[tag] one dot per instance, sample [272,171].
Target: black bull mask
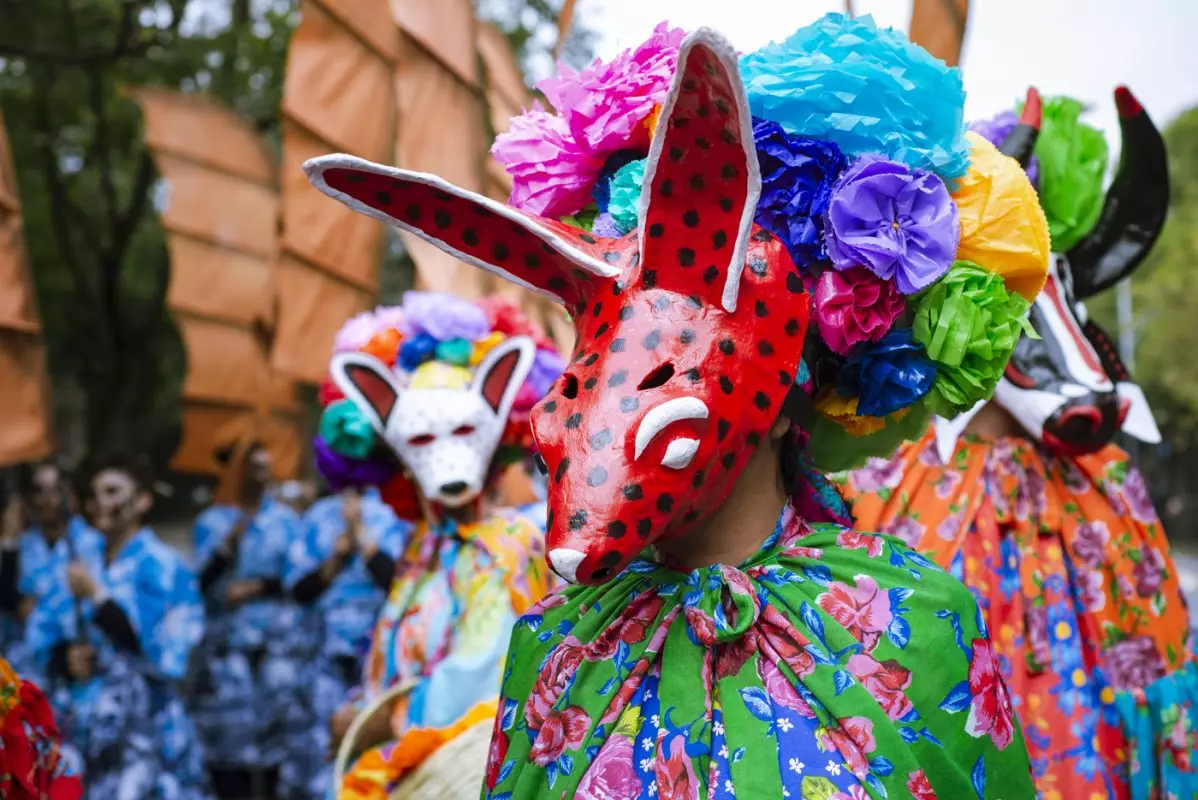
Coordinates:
[1069,389]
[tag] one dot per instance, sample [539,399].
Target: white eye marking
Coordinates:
[679,453]
[660,416]
[565,563]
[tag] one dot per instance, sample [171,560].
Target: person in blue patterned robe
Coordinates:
[342,568]
[256,646]
[114,641]
[38,536]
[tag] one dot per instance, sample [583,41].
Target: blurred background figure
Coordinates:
[256,645]
[341,570]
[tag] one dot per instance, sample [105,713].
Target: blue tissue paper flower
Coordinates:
[887,375]
[601,193]
[866,89]
[416,350]
[797,175]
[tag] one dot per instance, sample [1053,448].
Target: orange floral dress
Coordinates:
[1072,570]
[31,765]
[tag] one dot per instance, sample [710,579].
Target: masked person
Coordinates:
[729,636]
[39,534]
[31,762]
[445,385]
[1027,500]
[252,658]
[341,569]
[115,641]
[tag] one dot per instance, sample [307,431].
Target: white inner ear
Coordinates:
[665,414]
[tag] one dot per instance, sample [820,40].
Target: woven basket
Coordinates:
[454,772]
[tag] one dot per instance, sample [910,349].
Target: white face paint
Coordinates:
[114,503]
[446,437]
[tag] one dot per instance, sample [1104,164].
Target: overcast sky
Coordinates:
[1083,48]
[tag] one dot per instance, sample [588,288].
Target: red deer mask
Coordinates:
[689,330]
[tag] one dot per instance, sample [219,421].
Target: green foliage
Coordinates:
[531,27]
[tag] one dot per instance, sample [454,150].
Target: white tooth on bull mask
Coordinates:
[1139,423]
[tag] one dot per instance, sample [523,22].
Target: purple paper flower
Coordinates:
[546,367]
[996,129]
[797,175]
[551,175]
[606,104]
[443,317]
[341,472]
[899,223]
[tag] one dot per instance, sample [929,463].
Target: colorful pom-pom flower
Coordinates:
[888,375]
[969,324]
[865,89]
[854,306]
[901,224]
[797,176]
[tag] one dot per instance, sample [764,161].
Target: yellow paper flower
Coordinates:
[651,120]
[439,375]
[1003,227]
[843,411]
[484,346]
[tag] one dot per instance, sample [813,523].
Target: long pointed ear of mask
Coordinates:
[552,258]
[369,384]
[702,179]
[502,373]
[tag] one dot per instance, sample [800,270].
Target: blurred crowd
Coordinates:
[229,673]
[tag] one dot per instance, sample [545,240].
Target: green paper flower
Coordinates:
[346,430]
[455,351]
[1073,161]
[584,219]
[624,205]
[969,324]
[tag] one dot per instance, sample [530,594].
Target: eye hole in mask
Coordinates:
[657,377]
[569,387]
[422,440]
[463,430]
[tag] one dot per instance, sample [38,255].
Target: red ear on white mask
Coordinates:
[368,383]
[501,374]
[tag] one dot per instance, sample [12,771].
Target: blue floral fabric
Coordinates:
[128,723]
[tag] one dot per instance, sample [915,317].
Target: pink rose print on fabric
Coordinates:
[879,473]
[990,711]
[949,527]
[730,657]
[854,540]
[674,773]
[1135,493]
[784,643]
[907,528]
[497,753]
[1089,544]
[947,484]
[630,627]
[611,775]
[918,786]
[863,610]
[1093,589]
[562,730]
[1074,480]
[1133,663]
[886,681]
[1149,571]
[855,792]
[854,740]
[554,678]
[780,689]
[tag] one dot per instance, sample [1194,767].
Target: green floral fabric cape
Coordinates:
[833,664]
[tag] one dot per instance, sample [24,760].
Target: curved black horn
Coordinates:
[1135,207]
[1020,143]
